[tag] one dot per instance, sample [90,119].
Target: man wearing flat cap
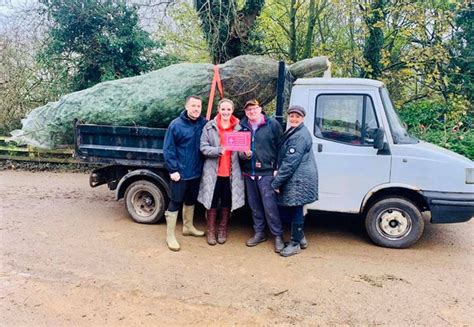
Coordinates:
[258,166]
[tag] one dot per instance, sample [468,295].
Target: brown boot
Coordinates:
[222,229]
[211,215]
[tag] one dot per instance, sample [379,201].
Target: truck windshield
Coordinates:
[399,133]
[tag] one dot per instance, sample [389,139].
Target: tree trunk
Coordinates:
[226,28]
[293,36]
[309,39]
[374,43]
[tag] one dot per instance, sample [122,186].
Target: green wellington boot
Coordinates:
[171,218]
[188,227]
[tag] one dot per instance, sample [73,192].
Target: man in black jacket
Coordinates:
[258,166]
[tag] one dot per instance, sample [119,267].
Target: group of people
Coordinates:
[278,173]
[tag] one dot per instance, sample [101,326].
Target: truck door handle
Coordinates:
[320,147]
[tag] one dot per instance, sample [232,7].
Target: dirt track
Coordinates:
[71,256]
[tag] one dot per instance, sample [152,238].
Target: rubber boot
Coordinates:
[294,247]
[211,215]
[188,227]
[222,229]
[171,218]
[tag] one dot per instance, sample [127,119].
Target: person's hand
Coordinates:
[277,191]
[223,150]
[248,154]
[175,177]
[275,172]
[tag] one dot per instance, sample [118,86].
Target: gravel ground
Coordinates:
[70,255]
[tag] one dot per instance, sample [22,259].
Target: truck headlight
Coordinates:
[469,175]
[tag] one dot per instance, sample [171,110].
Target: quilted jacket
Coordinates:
[297,177]
[211,149]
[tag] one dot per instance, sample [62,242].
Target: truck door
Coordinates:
[344,127]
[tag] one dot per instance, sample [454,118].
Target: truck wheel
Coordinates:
[394,223]
[145,202]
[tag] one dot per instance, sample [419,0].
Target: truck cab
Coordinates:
[369,165]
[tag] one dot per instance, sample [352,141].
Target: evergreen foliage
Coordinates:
[95,41]
[155,98]
[447,125]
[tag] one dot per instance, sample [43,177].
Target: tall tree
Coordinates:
[416,51]
[309,38]
[181,37]
[462,51]
[374,17]
[95,41]
[293,30]
[21,85]
[227,26]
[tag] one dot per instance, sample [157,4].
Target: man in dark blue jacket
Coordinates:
[258,166]
[184,163]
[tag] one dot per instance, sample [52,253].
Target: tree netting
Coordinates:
[155,98]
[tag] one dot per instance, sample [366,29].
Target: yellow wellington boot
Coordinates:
[188,227]
[171,218]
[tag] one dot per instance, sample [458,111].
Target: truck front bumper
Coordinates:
[449,207]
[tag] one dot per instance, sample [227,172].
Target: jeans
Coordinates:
[263,203]
[292,214]
[295,216]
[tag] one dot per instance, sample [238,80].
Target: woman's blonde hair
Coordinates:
[223,101]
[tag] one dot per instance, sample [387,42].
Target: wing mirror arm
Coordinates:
[379,143]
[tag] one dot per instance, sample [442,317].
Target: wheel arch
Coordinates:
[399,191]
[142,174]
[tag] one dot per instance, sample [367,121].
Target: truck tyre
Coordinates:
[145,202]
[394,223]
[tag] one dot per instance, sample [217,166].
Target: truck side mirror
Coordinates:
[378,140]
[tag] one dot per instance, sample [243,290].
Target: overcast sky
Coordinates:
[151,11]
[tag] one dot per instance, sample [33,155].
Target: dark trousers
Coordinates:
[292,214]
[262,200]
[296,218]
[183,191]
[222,193]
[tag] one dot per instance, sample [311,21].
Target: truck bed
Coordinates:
[120,145]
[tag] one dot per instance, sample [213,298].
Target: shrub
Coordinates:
[449,125]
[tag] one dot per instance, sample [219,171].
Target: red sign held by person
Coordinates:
[237,141]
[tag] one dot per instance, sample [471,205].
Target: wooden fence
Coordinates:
[12,151]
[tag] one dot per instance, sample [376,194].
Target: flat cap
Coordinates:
[297,109]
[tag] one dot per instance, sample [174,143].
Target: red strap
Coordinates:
[216,80]
[219,82]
